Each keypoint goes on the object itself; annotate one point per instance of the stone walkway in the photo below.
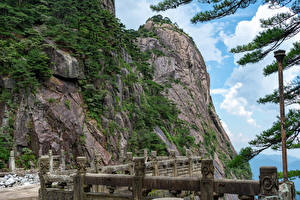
(29, 192)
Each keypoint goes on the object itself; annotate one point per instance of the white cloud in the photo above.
(206, 36)
(248, 83)
(234, 104)
(246, 30)
(218, 91)
(239, 140)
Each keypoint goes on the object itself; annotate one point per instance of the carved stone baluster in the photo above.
(11, 163)
(98, 159)
(63, 160)
(139, 172)
(44, 163)
(146, 155)
(206, 183)
(268, 181)
(155, 163)
(190, 161)
(79, 179)
(129, 160)
(51, 161)
(173, 157)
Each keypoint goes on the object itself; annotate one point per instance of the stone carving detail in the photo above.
(129, 157)
(207, 169)
(139, 166)
(44, 164)
(268, 181)
(172, 154)
(153, 156)
(81, 164)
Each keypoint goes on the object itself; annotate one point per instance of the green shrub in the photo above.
(27, 159)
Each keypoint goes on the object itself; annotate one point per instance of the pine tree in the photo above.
(277, 30)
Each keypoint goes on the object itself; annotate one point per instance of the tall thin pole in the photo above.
(279, 55)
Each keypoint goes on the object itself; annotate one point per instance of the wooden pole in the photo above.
(279, 55)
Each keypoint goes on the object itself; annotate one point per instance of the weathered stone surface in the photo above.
(108, 5)
(287, 191)
(55, 112)
(181, 61)
(63, 64)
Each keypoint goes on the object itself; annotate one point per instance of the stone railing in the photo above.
(171, 165)
(137, 177)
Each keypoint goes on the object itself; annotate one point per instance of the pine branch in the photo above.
(291, 59)
(291, 94)
(169, 4)
(271, 138)
(224, 8)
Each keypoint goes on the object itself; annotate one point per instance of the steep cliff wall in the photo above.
(178, 64)
(90, 86)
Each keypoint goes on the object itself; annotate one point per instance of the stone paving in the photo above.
(28, 192)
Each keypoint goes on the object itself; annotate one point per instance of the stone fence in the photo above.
(140, 175)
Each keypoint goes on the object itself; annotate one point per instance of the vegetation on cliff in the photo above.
(107, 53)
(100, 42)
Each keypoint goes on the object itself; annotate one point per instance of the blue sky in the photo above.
(234, 89)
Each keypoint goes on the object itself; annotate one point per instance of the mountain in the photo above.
(73, 78)
(275, 160)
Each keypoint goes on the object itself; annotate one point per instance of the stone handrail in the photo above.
(140, 183)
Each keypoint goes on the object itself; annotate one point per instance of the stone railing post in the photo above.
(44, 168)
(62, 160)
(79, 179)
(122, 156)
(173, 157)
(154, 163)
(139, 174)
(129, 160)
(51, 161)
(190, 161)
(268, 181)
(12, 163)
(98, 188)
(146, 155)
(97, 163)
(207, 180)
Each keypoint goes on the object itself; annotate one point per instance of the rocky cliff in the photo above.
(87, 85)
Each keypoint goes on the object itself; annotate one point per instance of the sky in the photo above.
(234, 89)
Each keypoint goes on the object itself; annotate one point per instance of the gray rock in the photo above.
(287, 191)
(10, 182)
(62, 63)
(65, 65)
(182, 66)
(108, 5)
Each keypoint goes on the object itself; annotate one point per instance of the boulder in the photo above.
(287, 191)
(63, 64)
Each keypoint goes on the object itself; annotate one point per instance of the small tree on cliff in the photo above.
(277, 30)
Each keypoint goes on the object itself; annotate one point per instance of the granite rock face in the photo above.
(181, 64)
(109, 5)
(56, 117)
(63, 64)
